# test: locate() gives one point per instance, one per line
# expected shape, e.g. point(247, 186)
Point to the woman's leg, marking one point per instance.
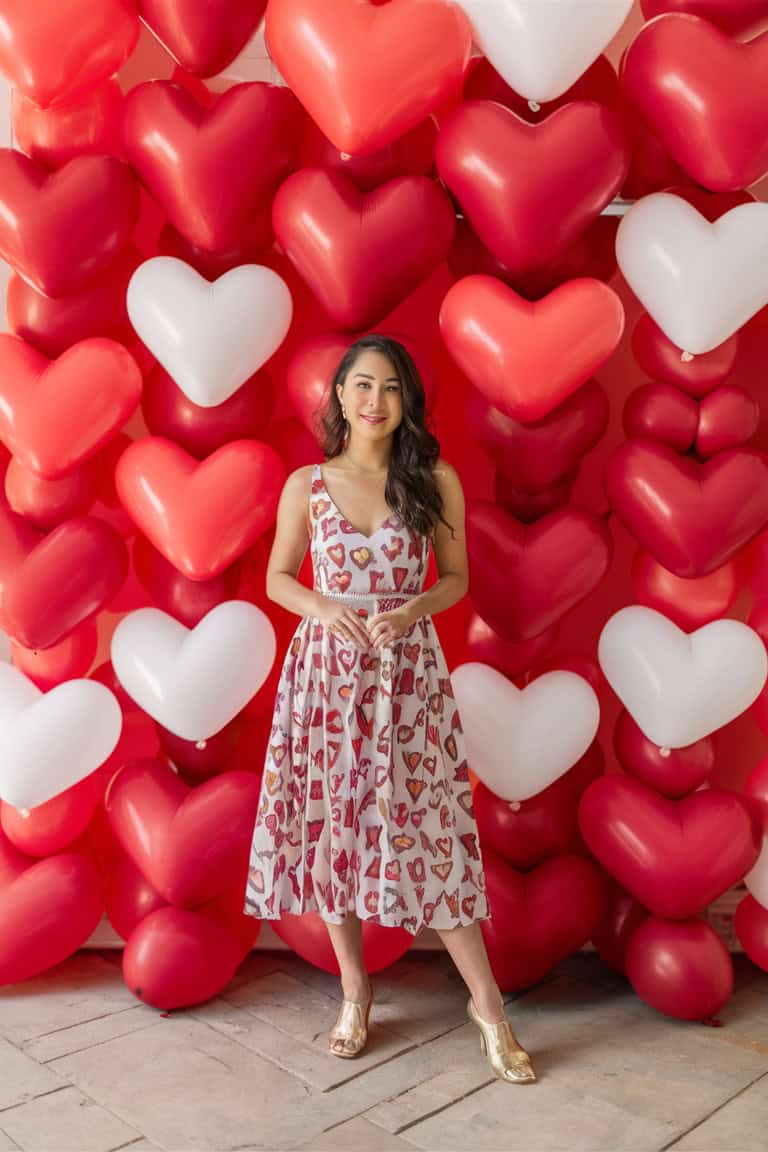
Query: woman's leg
point(467, 950)
point(347, 942)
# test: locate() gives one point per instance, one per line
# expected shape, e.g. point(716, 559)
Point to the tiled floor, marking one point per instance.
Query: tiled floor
point(85, 1067)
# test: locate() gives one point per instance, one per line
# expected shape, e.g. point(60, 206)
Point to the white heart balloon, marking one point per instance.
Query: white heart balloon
point(699, 281)
point(194, 681)
point(210, 337)
point(520, 741)
point(542, 47)
point(51, 740)
point(679, 687)
point(756, 879)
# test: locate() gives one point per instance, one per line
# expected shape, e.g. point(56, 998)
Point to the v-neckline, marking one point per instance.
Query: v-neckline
point(365, 535)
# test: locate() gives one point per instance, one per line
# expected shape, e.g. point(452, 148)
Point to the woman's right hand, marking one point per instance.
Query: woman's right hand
point(344, 622)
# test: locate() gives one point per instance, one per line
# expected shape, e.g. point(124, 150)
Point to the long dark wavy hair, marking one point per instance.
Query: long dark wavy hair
point(412, 490)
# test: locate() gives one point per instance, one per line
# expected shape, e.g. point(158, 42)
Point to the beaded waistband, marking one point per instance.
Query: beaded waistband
point(386, 594)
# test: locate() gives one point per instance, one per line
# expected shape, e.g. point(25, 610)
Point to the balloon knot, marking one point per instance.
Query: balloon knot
point(201, 744)
point(686, 357)
point(534, 106)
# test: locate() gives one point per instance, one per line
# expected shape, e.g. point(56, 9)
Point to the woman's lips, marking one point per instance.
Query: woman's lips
point(374, 419)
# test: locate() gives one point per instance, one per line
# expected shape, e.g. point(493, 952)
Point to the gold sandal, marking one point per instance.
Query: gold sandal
point(349, 1034)
point(500, 1047)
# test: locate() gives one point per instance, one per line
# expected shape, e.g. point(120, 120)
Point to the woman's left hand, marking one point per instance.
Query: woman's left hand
point(385, 628)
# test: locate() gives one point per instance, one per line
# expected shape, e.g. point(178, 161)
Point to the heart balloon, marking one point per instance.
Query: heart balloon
point(53, 826)
point(209, 337)
point(661, 412)
point(704, 96)
point(676, 262)
point(362, 253)
point(598, 84)
point(539, 917)
point(201, 431)
point(527, 754)
point(487, 647)
point(187, 600)
point(574, 164)
point(683, 970)
point(200, 516)
point(728, 416)
point(308, 936)
point(679, 687)
point(691, 517)
point(412, 154)
point(55, 136)
point(61, 580)
point(194, 682)
point(662, 360)
point(756, 790)
point(48, 503)
point(529, 832)
point(50, 909)
point(190, 844)
point(674, 772)
point(175, 958)
point(532, 456)
point(688, 602)
point(524, 578)
point(610, 938)
point(71, 658)
point(56, 414)
point(751, 924)
point(49, 741)
point(203, 40)
point(736, 17)
point(756, 880)
point(213, 170)
point(542, 49)
point(526, 358)
point(339, 59)
point(530, 506)
point(674, 856)
point(60, 229)
point(55, 52)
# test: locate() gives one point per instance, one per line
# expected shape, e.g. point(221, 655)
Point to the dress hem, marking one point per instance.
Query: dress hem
point(382, 921)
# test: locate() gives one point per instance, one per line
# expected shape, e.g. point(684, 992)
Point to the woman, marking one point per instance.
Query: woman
point(366, 810)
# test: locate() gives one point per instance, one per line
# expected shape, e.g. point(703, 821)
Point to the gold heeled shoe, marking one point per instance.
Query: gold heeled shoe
point(349, 1034)
point(500, 1047)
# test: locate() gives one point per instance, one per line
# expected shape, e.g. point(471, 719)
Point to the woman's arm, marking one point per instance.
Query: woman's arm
point(290, 547)
point(450, 552)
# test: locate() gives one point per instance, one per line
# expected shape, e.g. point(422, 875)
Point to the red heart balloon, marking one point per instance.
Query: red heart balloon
point(308, 937)
point(412, 154)
point(50, 909)
point(62, 580)
point(68, 660)
point(704, 95)
point(534, 455)
point(674, 856)
point(128, 897)
point(190, 844)
point(202, 759)
point(60, 229)
point(661, 412)
point(361, 254)
point(598, 84)
point(98, 309)
point(252, 247)
point(593, 255)
point(487, 647)
point(213, 170)
point(204, 39)
point(48, 503)
point(728, 416)
point(56, 414)
point(751, 924)
point(523, 579)
point(691, 517)
point(623, 915)
point(200, 431)
point(683, 970)
point(340, 58)
point(737, 17)
point(56, 52)
point(663, 360)
point(691, 603)
point(187, 600)
point(526, 358)
point(530, 506)
point(540, 917)
point(200, 516)
point(175, 958)
point(527, 832)
point(756, 790)
point(53, 136)
point(674, 772)
point(574, 163)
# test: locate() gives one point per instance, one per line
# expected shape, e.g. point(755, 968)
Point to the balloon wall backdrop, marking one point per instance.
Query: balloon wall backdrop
point(557, 209)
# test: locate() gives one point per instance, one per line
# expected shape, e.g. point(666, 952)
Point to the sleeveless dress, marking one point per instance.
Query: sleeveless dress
point(365, 799)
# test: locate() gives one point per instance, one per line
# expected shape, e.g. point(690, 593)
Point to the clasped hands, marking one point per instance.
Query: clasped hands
point(378, 631)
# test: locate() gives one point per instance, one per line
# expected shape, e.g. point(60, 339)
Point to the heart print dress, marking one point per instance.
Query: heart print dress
point(365, 799)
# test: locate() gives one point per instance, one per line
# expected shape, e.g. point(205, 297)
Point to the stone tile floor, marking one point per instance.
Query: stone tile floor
point(85, 1067)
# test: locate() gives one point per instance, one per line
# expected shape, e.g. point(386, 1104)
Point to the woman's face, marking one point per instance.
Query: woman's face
point(372, 395)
